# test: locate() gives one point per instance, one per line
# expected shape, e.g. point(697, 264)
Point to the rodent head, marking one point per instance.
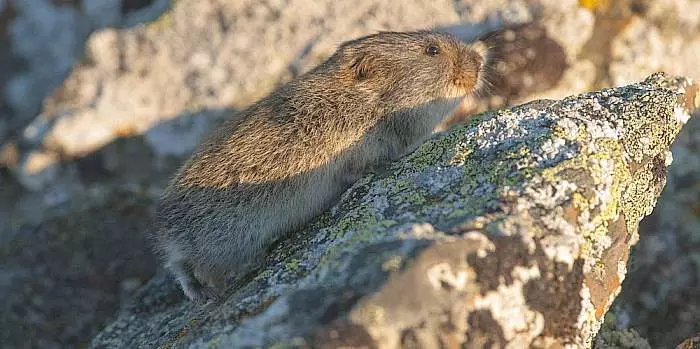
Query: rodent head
point(413, 67)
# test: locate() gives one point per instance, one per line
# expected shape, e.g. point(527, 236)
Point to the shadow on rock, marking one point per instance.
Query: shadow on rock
point(66, 266)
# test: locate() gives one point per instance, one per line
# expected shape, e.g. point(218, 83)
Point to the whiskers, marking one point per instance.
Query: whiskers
point(485, 85)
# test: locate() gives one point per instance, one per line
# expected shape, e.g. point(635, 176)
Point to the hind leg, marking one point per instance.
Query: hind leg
point(193, 289)
point(211, 277)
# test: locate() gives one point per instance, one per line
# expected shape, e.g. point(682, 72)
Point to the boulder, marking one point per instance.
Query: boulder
point(512, 231)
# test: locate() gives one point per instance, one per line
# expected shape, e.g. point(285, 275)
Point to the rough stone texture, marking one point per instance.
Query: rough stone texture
point(611, 336)
point(41, 40)
point(662, 303)
point(511, 231)
point(61, 279)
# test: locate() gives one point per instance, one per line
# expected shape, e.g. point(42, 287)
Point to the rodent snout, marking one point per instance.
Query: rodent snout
point(480, 51)
point(469, 69)
point(475, 59)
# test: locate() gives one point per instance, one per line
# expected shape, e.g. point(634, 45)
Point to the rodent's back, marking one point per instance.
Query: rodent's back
point(292, 131)
point(284, 145)
point(304, 124)
point(275, 165)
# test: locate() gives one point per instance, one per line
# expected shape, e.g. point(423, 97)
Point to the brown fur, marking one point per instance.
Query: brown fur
point(288, 157)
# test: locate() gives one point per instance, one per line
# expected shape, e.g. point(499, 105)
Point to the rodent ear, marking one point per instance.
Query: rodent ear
point(362, 67)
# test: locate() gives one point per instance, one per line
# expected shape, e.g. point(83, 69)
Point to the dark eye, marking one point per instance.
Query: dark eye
point(432, 50)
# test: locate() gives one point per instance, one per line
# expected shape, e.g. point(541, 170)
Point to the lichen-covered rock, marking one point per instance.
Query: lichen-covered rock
point(660, 297)
point(511, 231)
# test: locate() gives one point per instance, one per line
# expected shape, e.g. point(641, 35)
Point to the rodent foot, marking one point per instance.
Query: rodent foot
point(201, 294)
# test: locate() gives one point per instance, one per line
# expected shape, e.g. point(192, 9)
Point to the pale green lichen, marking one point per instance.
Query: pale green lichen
point(163, 22)
point(351, 230)
point(393, 263)
point(480, 187)
point(607, 151)
point(292, 265)
point(214, 343)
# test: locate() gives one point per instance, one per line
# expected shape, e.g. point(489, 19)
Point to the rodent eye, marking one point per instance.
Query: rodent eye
point(432, 50)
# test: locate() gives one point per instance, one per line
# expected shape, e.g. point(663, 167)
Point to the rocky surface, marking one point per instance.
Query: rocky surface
point(511, 231)
point(137, 89)
point(63, 278)
point(690, 343)
point(556, 48)
point(664, 282)
point(41, 40)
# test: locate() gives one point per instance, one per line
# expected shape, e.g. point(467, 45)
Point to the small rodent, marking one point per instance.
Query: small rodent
point(270, 169)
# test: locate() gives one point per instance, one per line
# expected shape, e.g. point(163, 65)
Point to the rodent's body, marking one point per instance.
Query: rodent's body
point(285, 159)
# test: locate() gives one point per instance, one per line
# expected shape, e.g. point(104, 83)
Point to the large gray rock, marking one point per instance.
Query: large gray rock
point(512, 231)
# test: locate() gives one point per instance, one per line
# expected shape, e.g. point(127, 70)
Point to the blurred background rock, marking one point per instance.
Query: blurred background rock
point(100, 100)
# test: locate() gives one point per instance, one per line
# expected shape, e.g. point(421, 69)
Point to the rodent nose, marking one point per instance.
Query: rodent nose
point(479, 61)
point(478, 53)
point(473, 61)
